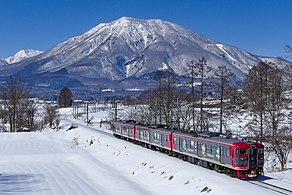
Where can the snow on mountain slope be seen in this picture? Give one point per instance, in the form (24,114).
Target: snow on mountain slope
(280,62)
(129,48)
(22,54)
(3,62)
(126,43)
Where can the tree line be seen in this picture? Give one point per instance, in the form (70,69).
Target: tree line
(209,103)
(19,110)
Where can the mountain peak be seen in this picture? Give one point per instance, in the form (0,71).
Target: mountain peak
(127,19)
(22,54)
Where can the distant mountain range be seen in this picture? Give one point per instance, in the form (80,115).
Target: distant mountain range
(22,55)
(124,54)
(19,56)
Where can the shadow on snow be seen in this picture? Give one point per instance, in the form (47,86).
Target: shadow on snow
(20,183)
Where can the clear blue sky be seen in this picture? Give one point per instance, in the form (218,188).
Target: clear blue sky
(261,27)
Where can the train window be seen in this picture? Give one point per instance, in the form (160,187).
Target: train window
(240,161)
(188,144)
(158,136)
(240,151)
(261,151)
(223,151)
(227,152)
(261,160)
(214,149)
(208,149)
(174,140)
(203,148)
(167,138)
(184,144)
(192,144)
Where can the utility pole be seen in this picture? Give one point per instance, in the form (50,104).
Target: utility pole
(87,120)
(116,110)
(178,111)
(191,67)
(202,63)
(77,110)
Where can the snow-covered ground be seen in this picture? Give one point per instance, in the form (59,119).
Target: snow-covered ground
(64,162)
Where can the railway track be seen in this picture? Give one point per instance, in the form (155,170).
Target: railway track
(271,187)
(274,188)
(89,127)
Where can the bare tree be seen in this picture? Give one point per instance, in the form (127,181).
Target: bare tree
(277,119)
(192,66)
(257,90)
(12,93)
(165,97)
(201,71)
(223,76)
(51,114)
(265,95)
(27,112)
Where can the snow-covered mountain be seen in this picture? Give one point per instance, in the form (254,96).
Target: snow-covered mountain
(22,54)
(130,47)
(126,52)
(280,62)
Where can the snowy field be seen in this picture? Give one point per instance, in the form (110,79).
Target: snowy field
(64,162)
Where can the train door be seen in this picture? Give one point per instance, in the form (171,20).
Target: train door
(199,149)
(181,143)
(163,139)
(138,133)
(253,157)
(219,153)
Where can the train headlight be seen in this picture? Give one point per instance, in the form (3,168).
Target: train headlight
(253,172)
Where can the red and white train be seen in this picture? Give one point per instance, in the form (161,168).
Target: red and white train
(241,159)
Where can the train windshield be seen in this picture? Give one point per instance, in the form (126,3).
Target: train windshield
(240,151)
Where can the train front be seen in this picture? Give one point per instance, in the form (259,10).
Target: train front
(249,159)
(256,159)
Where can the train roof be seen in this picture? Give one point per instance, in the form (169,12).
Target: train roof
(210,136)
(149,126)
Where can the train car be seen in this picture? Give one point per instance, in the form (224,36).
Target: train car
(231,156)
(160,138)
(143,135)
(116,127)
(208,149)
(124,129)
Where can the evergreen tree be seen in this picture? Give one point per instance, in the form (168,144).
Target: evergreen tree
(65,98)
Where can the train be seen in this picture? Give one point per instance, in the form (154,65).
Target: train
(212,150)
